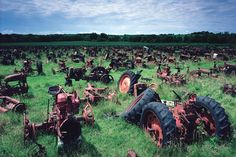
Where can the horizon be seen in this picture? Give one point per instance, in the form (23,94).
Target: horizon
(116,34)
(143,17)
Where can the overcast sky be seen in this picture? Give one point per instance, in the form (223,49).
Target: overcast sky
(117,16)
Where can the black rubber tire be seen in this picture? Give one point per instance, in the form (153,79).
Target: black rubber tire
(100,70)
(164,116)
(218,114)
(133,112)
(20,108)
(107,79)
(133,80)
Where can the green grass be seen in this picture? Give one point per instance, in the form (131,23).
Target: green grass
(113,136)
(97,43)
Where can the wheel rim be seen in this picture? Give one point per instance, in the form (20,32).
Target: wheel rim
(153,127)
(124,84)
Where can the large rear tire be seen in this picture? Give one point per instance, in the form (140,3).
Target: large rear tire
(215,119)
(158,122)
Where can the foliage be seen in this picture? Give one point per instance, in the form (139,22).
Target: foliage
(196,37)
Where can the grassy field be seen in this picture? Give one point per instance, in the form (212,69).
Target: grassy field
(97,43)
(113,136)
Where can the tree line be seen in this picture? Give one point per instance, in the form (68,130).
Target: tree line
(196,37)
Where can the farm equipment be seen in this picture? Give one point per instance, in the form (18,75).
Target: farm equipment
(186,121)
(62,66)
(229,89)
(200,72)
(175,79)
(7,103)
(97,74)
(229,68)
(77,57)
(14,84)
(188,56)
(27,67)
(116,63)
(62,120)
(96,94)
(8,59)
(128,83)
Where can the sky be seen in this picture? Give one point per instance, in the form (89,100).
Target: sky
(116,16)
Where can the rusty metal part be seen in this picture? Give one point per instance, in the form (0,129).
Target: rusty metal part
(88,114)
(20,84)
(139,88)
(7,103)
(96,94)
(175,79)
(131,153)
(200,72)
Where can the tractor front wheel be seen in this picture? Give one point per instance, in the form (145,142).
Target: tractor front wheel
(127,81)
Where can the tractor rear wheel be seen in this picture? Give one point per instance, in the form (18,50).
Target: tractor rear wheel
(127,81)
(158,122)
(215,119)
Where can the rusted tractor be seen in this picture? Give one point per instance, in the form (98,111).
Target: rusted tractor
(62,66)
(7,59)
(229,89)
(97,74)
(193,119)
(96,94)
(7,103)
(117,63)
(61,121)
(201,72)
(229,68)
(77,57)
(174,79)
(27,67)
(14,84)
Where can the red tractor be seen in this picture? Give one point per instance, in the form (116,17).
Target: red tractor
(62,120)
(185,121)
(174,79)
